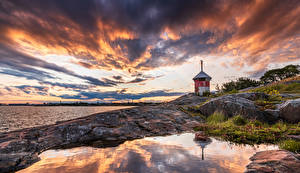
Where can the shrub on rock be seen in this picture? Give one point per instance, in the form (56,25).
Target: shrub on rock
(239,120)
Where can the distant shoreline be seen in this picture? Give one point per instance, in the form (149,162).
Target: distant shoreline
(86,104)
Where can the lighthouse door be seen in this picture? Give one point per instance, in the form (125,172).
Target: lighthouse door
(201,90)
(204,87)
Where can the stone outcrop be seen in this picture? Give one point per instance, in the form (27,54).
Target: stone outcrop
(279,161)
(21,148)
(290,111)
(237,104)
(189,99)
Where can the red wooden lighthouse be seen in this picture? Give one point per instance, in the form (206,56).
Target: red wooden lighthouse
(202,82)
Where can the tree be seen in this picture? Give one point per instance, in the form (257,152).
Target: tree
(240,83)
(280,74)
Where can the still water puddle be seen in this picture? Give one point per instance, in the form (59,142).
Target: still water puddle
(176,153)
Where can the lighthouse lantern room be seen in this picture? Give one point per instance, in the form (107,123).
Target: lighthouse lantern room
(202,82)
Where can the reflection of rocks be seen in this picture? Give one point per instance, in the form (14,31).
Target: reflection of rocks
(200,136)
(202,140)
(274,161)
(19,148)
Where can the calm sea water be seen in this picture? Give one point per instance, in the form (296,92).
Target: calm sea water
(176,153)
(19,117)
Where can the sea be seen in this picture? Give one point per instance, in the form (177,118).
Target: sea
(19,117)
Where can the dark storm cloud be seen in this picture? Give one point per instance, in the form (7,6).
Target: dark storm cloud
(127,34)
(175,52)
(30,74)
(19,64)
(123,90)
(137,80)
(28,89)
(66,85)
(134,48)
(117,77)
(112,81)
(118,95)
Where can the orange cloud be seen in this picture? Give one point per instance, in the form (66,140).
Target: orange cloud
(111,36)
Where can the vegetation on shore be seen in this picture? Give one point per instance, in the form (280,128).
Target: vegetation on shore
(275,83)
(240,130)
(280,87)
(290,145)
(279,77)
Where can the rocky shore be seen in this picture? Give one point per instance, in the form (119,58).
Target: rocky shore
(19,149)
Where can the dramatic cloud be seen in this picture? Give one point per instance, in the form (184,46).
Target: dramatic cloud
(21,65)
(118,95)
(40,90)
(66,85)
(138,78)
(117,77)
(141,35)
(100,44)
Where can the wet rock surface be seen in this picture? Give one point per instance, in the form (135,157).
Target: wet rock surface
(20,148)
(280,161)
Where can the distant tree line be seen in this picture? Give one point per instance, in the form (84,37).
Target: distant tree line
(269,76)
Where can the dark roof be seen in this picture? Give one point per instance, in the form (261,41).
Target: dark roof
(202,74)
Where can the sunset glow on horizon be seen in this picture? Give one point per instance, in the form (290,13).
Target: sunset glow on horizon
(119,50)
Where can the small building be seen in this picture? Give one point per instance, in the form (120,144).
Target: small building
(202,82)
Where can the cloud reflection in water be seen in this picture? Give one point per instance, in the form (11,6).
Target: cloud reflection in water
(176,153)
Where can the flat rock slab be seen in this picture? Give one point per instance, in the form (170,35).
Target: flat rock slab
(20,148)
(279,161)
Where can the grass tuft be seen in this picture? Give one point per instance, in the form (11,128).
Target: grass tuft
(290,145)
(216,117)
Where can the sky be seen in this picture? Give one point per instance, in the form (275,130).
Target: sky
(140,50)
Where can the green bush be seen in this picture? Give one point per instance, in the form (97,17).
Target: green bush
(290,145)
(216,117)
(240,83)
(239,120)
